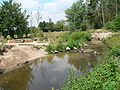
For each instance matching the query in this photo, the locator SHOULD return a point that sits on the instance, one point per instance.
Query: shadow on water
(47, 72)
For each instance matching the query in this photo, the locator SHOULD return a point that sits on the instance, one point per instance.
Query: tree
(90, 14)
(59, 26)
(12, 20)
(38, 16)
(76, 15)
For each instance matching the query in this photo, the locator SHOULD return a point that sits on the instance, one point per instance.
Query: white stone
(68, 49)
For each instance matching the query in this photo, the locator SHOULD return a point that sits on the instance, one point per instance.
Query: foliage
(12, 20)
(50, 26)
(36, 33)
(105, 76)
(8, 37)
(76, 16)
(112, 41)
(50, 49)
(71, 40)
(2, 39)
(91, 14)
(114, 24)
(60, 47)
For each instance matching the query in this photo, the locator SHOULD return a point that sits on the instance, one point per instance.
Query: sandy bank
(20, 54)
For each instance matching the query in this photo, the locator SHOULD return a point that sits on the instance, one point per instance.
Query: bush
(60, 47)
(114, 24)
(2, 39)
(82, 36)
(50, 49)
(112, 41)
(8, 37)
(71, 40)
(115, 52)
(70, 43)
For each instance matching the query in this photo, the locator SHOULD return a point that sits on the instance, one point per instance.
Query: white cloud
(29, 4)
(54, 10)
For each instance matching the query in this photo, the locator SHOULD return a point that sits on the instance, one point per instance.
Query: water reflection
(47, 72)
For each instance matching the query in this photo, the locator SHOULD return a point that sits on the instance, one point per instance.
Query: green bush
(69, 39)
(8, 37)
(115, 51)
(50, 49)
(65, 37)
(112, 41)
(60, 47)
(82, 36)
(70, 43)
(114, 24)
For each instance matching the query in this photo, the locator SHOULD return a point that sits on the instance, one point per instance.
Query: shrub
(60, 47)
(112, 41)
(115, 51)
(50, 49)
(8, 37)
(65, 37)
(114, 24)
(70, 43)
(2, 39)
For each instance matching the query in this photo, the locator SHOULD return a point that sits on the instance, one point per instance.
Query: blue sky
(50, 8)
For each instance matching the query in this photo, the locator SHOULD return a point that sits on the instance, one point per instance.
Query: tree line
(82, 15)
(51, 26)
(90, 14)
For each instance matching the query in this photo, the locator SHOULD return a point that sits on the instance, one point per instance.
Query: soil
(20, 54)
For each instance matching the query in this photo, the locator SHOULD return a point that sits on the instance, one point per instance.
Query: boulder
(68, 49)
(75, 48)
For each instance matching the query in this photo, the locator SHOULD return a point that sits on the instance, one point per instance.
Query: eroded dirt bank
(20, 54)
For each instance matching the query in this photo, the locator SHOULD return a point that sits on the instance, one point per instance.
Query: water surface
(48, 72)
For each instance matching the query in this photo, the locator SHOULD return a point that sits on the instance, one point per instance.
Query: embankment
(18, 55)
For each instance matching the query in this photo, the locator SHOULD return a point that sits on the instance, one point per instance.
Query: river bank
(19, 55)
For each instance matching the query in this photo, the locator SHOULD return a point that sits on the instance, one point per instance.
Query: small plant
(8, 37)
(60, 47)
(50, 49)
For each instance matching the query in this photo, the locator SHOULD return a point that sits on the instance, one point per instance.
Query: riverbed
(50, 71)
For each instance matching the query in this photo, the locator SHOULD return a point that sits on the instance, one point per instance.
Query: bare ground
(19, 54)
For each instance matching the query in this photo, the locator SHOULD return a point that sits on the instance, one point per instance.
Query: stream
(50, 71)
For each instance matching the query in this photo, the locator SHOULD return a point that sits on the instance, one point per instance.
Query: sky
(53, 9)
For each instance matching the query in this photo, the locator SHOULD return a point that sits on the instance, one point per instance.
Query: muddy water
(49, 71)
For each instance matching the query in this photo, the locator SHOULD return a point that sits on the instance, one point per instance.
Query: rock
(88, 51)
(96, 53)
(1, 71)
(56, 52)
(75, 48)
(81, 49)
(68, 49)
(85, 45)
